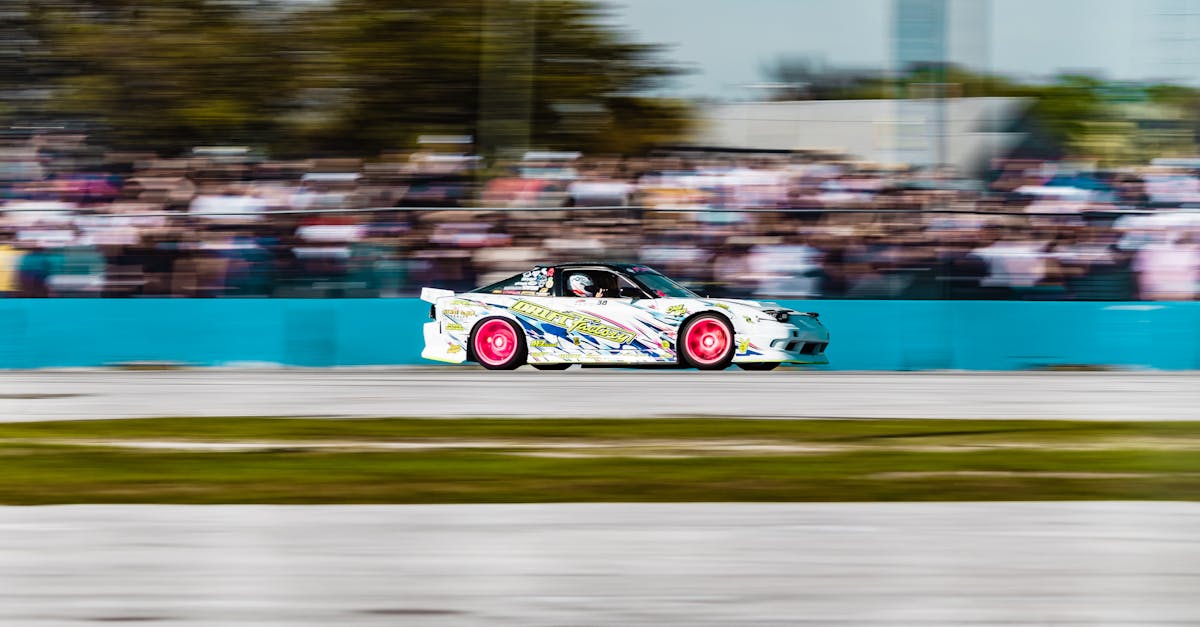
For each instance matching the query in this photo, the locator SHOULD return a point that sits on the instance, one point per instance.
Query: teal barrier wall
(318, 332)
(867, 335)
(1003, 335)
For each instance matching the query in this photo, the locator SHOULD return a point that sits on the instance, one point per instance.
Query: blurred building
(977, 130)
(920, 40)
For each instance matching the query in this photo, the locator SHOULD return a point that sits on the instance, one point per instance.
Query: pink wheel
(707, 343)
(498, 345)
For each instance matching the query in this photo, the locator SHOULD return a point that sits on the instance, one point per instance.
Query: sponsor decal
(722, 306)
(678, 311)
(545, 314)
(542, 343)
(462, 313)
(604, 331)
(573, 322)
(743, 345)
(454, 348)
(534, 279)
(454, 326)
(666, 344)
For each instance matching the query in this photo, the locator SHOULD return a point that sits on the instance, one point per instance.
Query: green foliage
(169, 75)
(561, 460)
(353, 77)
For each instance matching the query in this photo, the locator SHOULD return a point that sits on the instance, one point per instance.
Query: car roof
(604, 264)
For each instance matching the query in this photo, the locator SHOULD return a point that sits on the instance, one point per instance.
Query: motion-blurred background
(903, 149)
(967, 185)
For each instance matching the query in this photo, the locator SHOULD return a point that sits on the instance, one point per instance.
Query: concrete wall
(884, 131)
(867, 335)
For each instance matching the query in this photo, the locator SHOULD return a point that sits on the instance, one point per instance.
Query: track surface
(619, 564)
(450, 392)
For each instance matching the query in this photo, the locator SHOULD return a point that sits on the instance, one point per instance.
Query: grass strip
(652, 460)
(375, 429)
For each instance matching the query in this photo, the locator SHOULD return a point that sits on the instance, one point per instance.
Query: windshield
(658, 284)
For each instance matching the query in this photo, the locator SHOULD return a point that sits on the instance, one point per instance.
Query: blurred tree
(1072, 109)
(1183, 100)
(512, 73)
(808, 78)
(354, 77)
(27, 70)
(172, 74)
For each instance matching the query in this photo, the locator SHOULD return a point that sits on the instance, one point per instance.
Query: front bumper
(800, 342)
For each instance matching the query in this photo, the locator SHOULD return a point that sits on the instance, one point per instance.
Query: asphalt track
(459, 392)
(595, 564)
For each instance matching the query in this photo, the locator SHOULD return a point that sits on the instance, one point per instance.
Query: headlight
(779, 315)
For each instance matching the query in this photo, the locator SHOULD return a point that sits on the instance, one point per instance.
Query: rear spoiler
(431, 294)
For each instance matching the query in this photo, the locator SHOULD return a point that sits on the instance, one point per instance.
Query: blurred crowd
(78, 222)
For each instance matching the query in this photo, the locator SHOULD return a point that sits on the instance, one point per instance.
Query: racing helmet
(581, 285)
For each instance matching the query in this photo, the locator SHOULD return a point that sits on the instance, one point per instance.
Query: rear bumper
(442, 347)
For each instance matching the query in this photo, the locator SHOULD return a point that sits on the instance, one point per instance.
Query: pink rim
(707, 341)
(495, 342)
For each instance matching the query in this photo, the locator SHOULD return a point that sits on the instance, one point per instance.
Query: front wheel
(498, 344)
(706, 342)
(759, 366)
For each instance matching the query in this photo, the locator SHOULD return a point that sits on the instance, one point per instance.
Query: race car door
(608, 326)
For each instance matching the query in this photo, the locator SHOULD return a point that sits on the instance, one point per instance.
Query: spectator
(739, 226)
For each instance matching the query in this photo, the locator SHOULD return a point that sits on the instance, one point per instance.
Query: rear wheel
(759, 366)
(706, 342)
(498, 344)
(551, 366)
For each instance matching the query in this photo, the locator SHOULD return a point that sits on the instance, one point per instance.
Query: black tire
(759, 366)
(551, 366)
(510, 360)
(687, 358)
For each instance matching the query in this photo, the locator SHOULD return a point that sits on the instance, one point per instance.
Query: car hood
(758, 305)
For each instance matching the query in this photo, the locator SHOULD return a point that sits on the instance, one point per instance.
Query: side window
(590, 284)
(535, 282)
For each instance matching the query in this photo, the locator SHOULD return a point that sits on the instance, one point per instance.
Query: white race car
(615, 315)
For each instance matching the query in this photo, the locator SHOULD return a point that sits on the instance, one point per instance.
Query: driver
(582, 285)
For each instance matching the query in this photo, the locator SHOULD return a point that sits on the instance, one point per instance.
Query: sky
(728, 42)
